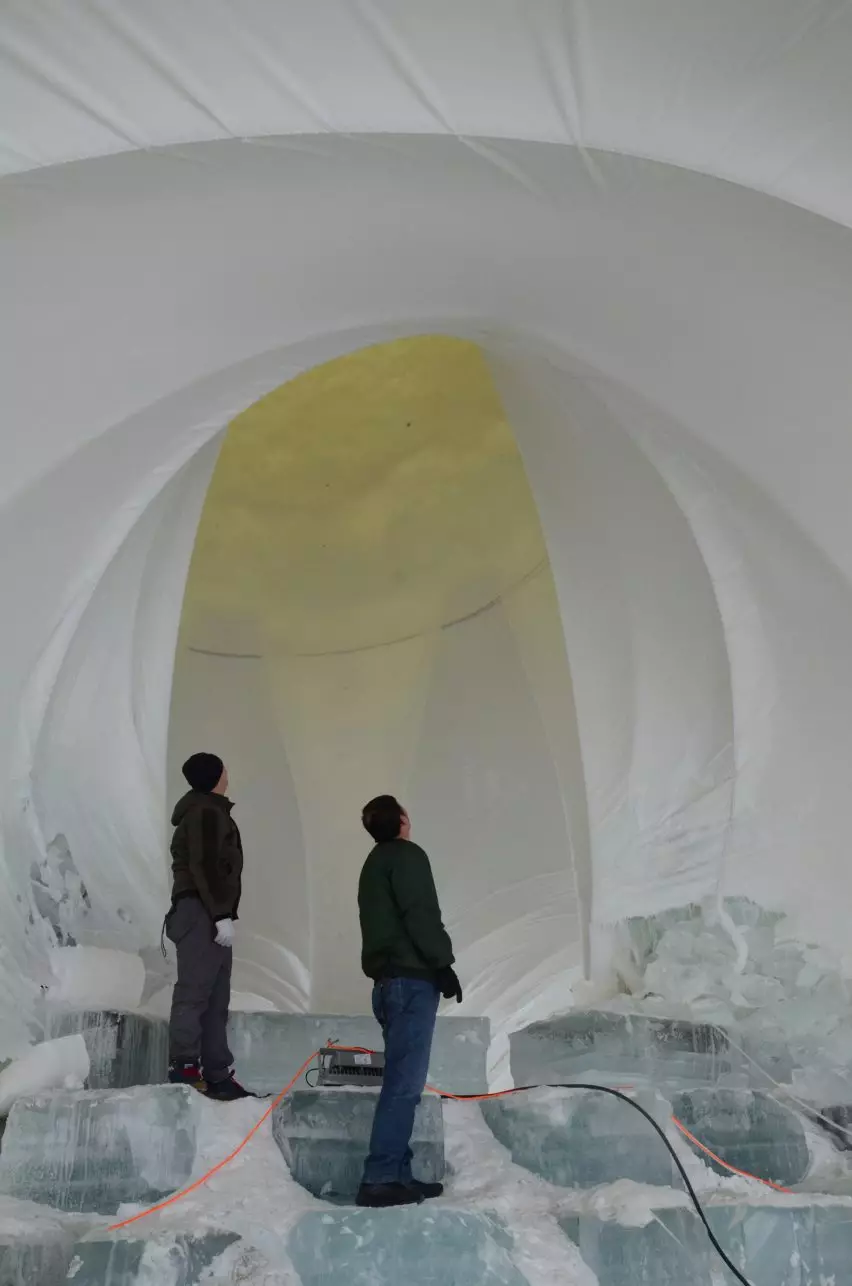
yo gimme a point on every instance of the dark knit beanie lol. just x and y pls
(203, 772)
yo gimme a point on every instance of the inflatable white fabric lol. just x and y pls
(641, 214)
(94, 978)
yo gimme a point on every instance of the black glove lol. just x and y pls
(449, 984)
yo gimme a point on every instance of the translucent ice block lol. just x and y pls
(579, 1139)
(175, 1261)
(772, 1246)
(646, 932)
(837, 1123)
(628, 1046)
(90, 1151)
(269, 1048)
(748, 1129)
(324, 1137)
(672, 1250)
(28, 1260)
(769, 1060)
(416, 1245)
(124, 1049)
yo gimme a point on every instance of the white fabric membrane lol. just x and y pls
(640, 213)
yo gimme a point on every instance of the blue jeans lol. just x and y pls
(405, 1009)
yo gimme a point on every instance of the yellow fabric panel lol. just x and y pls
(372, 498)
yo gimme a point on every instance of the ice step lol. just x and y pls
(29, 1261)
(418, 1245)
(581, 1139)
(170, 1261)
(124, 1049)
(622, 1046)
(785, 1245)
(324, 1137)
(577, 1139)
(837, 1123)
(269, 1048)
(747, 1128)
(91, 1150)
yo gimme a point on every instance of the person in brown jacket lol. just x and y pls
(207, 865)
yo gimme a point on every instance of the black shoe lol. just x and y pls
(227, 1091)
(380, 1195)
(187, 1074)
(426, 1190)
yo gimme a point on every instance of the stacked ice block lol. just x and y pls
(750, 1129)
(324, 1137)
(89, 1151)
(270, 1048)
(34, 1259)
(412, 1246)
(567, 1151)
(573, 1138)
(124, 1049)
(619, 1047)
(797, 1246)
(167, 1261)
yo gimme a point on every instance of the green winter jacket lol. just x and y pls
(402, 933)
(207, 853)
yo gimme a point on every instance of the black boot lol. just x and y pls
(187, 1073)
(381, 1195)
(427, 1190)
(227, 1091)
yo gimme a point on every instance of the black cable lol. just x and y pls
(605, 1089)
(311, 1084)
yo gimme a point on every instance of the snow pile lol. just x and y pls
(95, 978)
(738, 966)
(55, 1064)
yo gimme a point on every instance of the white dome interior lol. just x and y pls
(639, 216)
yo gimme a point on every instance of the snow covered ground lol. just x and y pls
(256, 1198)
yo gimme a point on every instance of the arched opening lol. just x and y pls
(370, 607)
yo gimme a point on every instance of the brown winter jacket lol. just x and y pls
(207, 853)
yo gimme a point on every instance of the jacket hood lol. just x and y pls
(197, 799)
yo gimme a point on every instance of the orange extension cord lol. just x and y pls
(458, 1098)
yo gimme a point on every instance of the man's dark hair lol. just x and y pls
(382, 818)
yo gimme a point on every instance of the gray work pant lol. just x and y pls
(198, 1029)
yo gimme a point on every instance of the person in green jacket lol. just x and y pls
(408, 954)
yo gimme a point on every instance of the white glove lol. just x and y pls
(225, 933)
